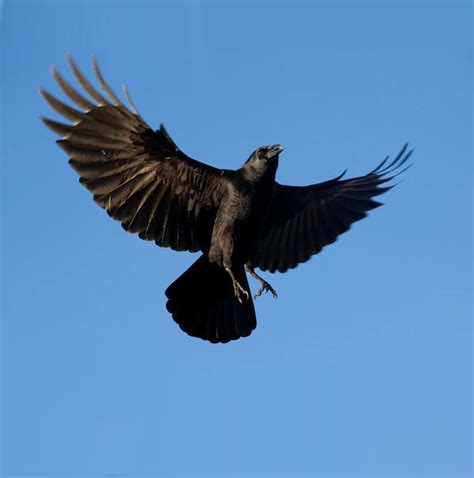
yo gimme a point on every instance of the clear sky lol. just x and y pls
(362, 366)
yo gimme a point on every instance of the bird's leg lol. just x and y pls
(264, 285)
(239, 291)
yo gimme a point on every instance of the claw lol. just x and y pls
(266, 287)
(239, 291)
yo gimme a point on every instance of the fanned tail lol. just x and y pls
(203, 304)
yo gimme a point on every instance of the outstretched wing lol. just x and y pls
(139, 176)
(302, 220)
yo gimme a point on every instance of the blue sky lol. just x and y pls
(362, 366)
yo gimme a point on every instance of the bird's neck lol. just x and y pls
(253, 174)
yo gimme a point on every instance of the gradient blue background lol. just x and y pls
(363, 364)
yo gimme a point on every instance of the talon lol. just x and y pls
(239, 291)
(266, 287)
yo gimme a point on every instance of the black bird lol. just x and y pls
(239, 219)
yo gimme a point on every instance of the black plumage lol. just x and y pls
(239, 219)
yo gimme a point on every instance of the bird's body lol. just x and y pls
(237, 219)
(246, 200)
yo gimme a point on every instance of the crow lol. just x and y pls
(238, 219)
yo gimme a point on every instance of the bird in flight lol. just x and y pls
(238, 219)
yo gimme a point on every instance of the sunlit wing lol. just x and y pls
(139, 176)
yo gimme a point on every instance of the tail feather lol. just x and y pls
(203, 304)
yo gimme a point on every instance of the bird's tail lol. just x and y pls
(203, 304)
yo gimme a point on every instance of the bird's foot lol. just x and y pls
(265, 287)
(240, 292)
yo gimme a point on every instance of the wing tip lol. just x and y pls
(129, 100)
(70, 60)
(95, 66)
(43, 92)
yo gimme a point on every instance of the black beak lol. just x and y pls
(275, 150)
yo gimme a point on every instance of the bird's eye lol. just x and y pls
(260, 154)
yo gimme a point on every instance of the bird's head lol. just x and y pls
(263, 160)
(267, 153)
